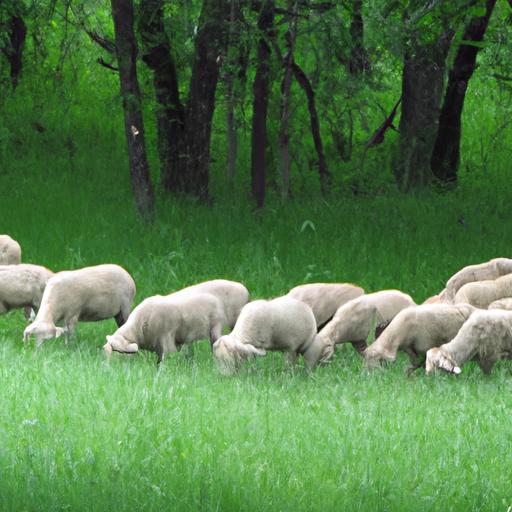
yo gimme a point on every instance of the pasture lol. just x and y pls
(79, 432)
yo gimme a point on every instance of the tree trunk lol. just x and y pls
(422, 89)
(325, 175)
(286, 85)
(169, 111)
(261, 89)
(210, 45)
(122, 14)
(446, 154)
(14, 52)
(358, 61)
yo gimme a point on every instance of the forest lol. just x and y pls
(274, 143)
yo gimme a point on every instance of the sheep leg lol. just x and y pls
(290, 359)
(123, 315)
(69, 331)
(215, 333)
(3, 309)
(360, 346)
(486, 365)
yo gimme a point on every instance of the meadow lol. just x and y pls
(80, 432)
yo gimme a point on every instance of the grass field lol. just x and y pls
(78, 432)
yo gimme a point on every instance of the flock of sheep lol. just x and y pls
(471, 319)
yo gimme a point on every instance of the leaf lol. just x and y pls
(477, 44)
(308, 224)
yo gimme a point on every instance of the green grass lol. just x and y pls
(78, 432)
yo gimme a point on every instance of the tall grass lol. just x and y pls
(78, 432)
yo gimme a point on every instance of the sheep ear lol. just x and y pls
(456, 370)
(59, 331)
(255, 351)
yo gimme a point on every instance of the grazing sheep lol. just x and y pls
(353, 322)
(10, 251)
(22, 286)
(163, 324)
(482, 293)
(232, 295)
(283, 324)
(88, 295)
(505, 303)
(486, 337)
(484, 271)
(415, 330)
(325, 298)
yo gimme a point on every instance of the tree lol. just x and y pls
(446, 152)
(122, 14)
(16, 34)
(429, 34)
(209, 48)
(169, 110)
(261, 91)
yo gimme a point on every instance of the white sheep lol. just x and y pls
(10, 251)
(489, 270)
(283, 324)
(486, 337)
(505, 303)
(87, 295)
(355, 320)
(163, 324)
(482, 293)
(325, 298)
(415, 330)
(232, 295)
(22, 286)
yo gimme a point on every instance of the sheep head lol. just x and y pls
(230, 353)
(438, 358)
(42, 331)
(373, 358)
(119, 343)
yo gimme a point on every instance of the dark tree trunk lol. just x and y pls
(325, 175)
(422, 89)
(286, 86)
(169, 112)
(446, 153)
(261, 90)
(122, 14)
(14, 52)
(358, 61)
(210, 46)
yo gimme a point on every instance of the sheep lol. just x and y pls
(10, 251)
(355, 320)
(163, 324)
(283, 324)
(415, 330)
(482, 293)
(505, 303)
(88, 295)
(489, 270)
(22, 286)
(325, 298)
(486, 337)
(232, 295)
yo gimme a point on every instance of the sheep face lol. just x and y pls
(438, 358)
(42, 331)
(374, 359)
(119, 343)
(230, 353)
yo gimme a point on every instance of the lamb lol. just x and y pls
(415, 330)
(482, 293)
(489, 270)
(505, 303)
(163, 324)
(354, 321)
(486, 337)
(325, 298)
(22, 286)
(10, 251)
(232, 295)
(88, 295)
(283, 324)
